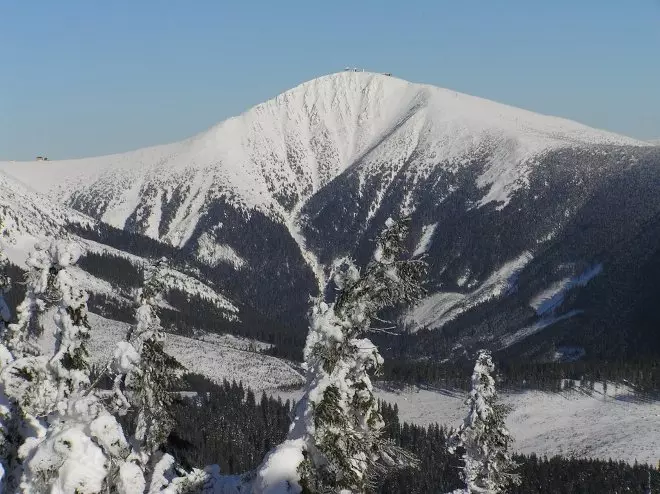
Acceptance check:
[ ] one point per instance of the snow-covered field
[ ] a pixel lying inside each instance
(568, 424)
(217, 357)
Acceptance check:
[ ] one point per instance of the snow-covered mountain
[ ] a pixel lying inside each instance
(27, 218)
(278, 154)
(516, 211)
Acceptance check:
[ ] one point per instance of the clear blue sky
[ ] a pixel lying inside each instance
(87, 77)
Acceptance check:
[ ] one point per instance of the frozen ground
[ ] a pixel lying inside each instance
(568, 424)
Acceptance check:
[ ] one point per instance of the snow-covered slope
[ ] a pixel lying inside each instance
(25, 217)
(280, 152)
(572, 424)
(214, 356)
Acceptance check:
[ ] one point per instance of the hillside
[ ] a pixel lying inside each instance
(541, 233)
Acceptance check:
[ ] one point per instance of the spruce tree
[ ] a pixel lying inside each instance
(336, 436)
(144, 382)
(483, 436)
(151, 382)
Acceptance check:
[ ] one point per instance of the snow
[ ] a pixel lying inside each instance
(27, 218)
(425, 240)
(439, 308)
(435, 310)
(569, 353)
(187, 284)
(236, 342)
(544, 322)
(548, 300)
(78, 461)
(279, 468)
(217, 357)
(131, 479)
(571, 423)
(172, 279)
(125, 357)
(301, 140)
(17, 253)
(293, 225)
(212, 253)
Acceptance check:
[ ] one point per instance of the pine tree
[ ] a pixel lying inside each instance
(483, 436)
(336, 439)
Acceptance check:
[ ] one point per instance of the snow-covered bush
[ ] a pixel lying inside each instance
(483, 436)
(335, 441)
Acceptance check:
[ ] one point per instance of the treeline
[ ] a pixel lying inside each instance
(112, 268)
(559, 475)
(226, 424)
(641, 374)
(139, 245)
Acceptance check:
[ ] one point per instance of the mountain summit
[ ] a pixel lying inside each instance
(279, 153)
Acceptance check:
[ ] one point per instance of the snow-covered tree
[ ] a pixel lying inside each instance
(335, 440)
(483, 436)
(5, 280)
(144, 379)
(151, 381)
(58, 433)
(62, 437)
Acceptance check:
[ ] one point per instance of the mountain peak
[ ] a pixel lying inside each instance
(278, 154)
(453, 104)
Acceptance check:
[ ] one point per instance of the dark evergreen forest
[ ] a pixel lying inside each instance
(227, 424)
(195, 313)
